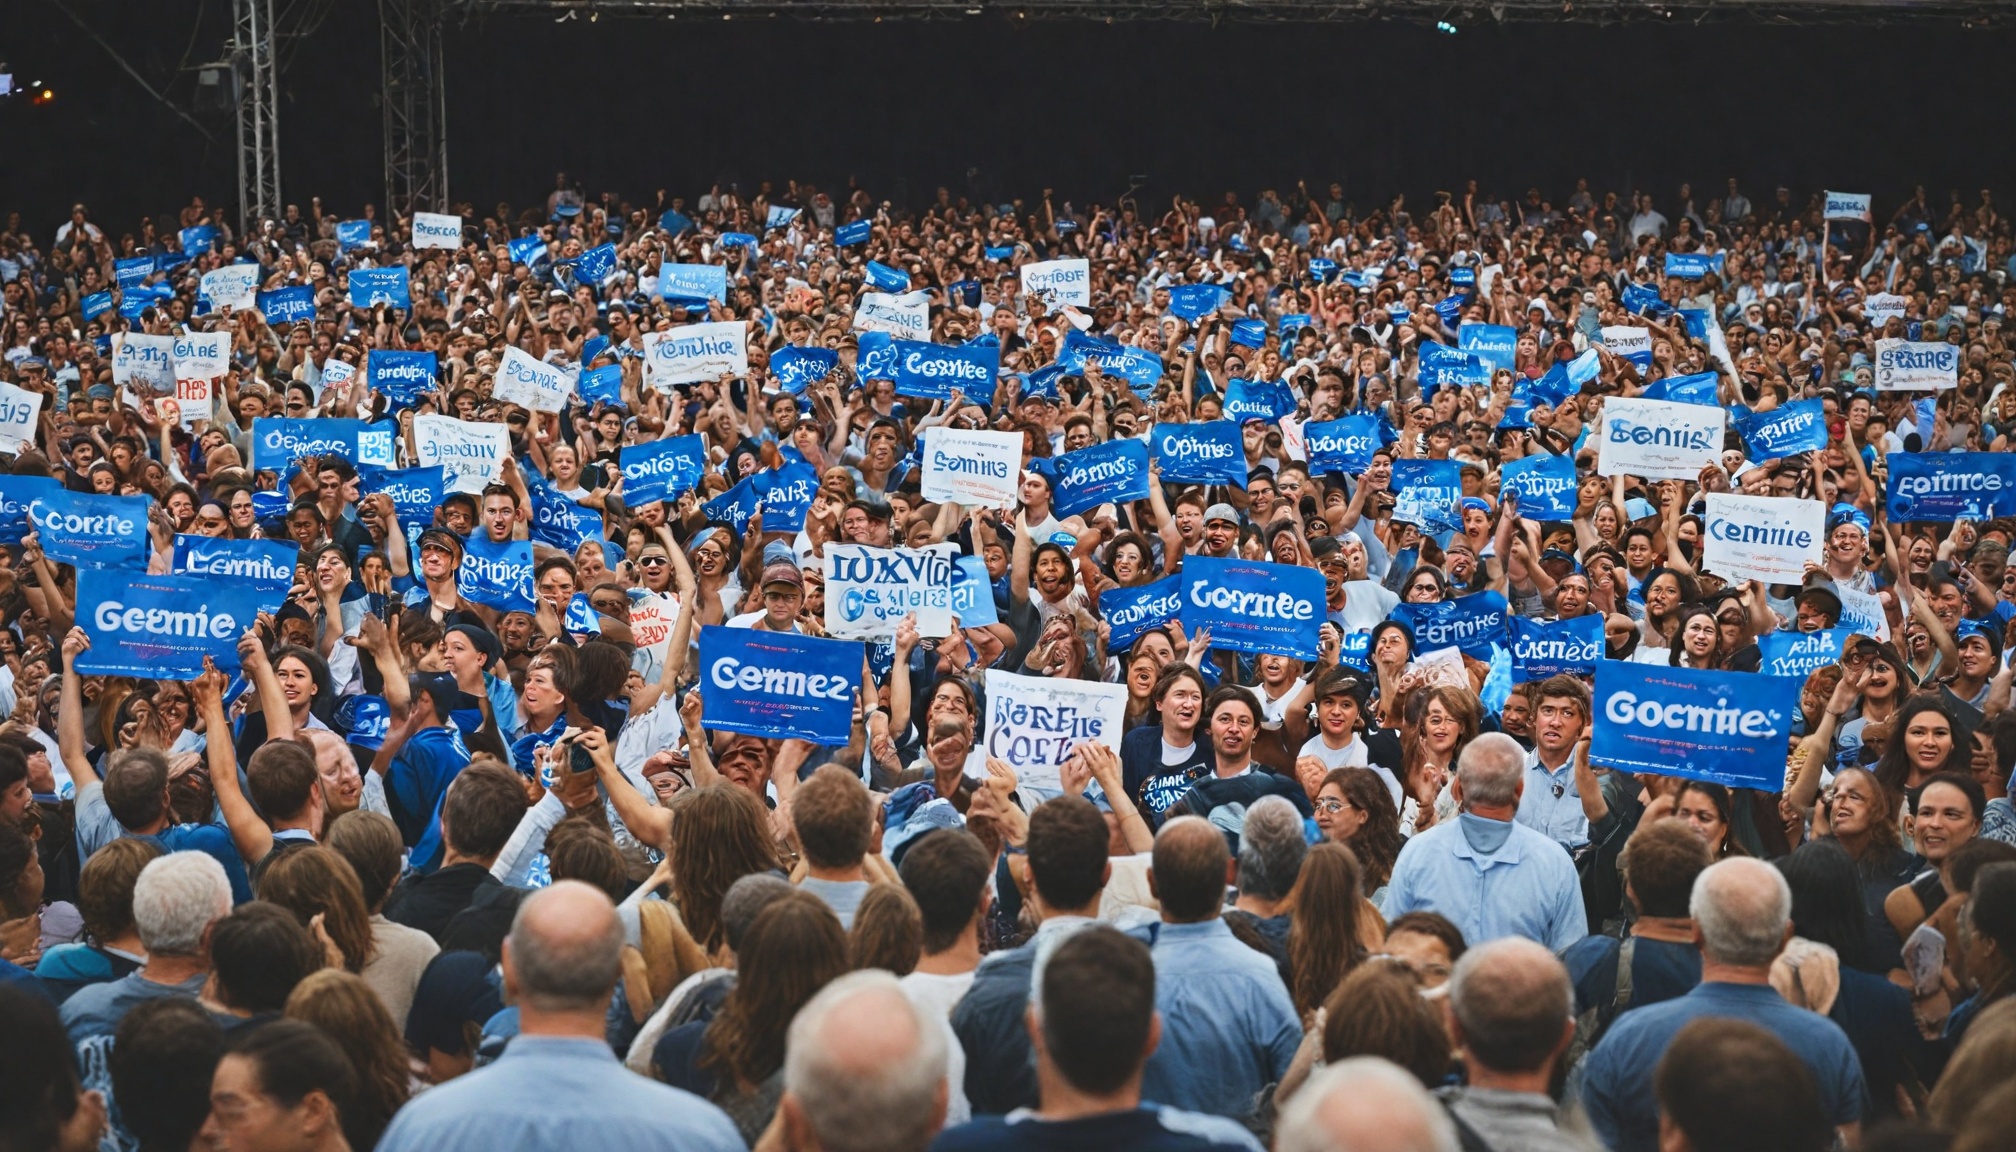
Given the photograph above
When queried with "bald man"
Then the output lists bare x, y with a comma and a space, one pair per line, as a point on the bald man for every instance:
559, 1078
1364, 1104
1512, 1012
1228, 1026
863, 1068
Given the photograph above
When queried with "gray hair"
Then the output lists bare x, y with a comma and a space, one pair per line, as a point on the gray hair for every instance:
565, 948
866, 1067
176, 899
1271, 848
1742, 908
1512, 1000
1491, 770
1364, 1104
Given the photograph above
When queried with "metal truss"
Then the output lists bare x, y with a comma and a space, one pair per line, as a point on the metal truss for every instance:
252, 58
415, 104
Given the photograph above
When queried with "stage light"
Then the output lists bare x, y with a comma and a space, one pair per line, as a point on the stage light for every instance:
1445, 27
41, 94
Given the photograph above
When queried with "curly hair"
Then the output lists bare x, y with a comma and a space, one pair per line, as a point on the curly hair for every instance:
1377, 842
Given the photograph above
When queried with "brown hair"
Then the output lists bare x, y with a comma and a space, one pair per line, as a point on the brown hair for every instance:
342, 1005
1378, 1011
370, 842
1323, 943
794, 949
105, 887
720, 834
315, 881
834, 817
580, 848
1461, 704
1377, 842
888, 931
1661, 861
482, 808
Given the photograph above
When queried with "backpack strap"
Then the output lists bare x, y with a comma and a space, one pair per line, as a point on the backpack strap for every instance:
1622, 999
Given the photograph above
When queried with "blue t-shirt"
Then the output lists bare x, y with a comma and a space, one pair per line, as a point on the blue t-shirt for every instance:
1148, 1128
213, 840
1660, 971
418, 779
1617, 1081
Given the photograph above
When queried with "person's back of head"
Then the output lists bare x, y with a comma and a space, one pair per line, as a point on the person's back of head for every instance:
1489, 771
1271, 848
351, 1013
282, 779
482, 809
745, 900
1094, 1010
1513, 1005
864, 1070
1067, 847
291, 1068
136, 786
888, 931
313, 881
565, 949
1364, 1104
163, 1055
946, 872
1991, 913
1982, 1063
834, 817
370, 842
1731, 1086
43, 1105
580, 848
1827, 903
794, 948
175, 901
1661, 861
1189, 870
1379, 1011
259, 953
1742, 911
105, 886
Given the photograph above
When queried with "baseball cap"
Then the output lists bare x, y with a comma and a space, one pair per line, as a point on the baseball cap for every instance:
448, 696
1220, 512
483, 641
783, 574
441, 538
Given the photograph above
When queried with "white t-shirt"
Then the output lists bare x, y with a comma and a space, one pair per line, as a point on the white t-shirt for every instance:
1365, 605
1352, 755
934, 997
1173, 755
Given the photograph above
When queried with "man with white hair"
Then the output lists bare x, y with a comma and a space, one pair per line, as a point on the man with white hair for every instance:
1511, 1011
864, 1070
1742, 911
1489, 874
1364, 1104
558, 1079
176, 901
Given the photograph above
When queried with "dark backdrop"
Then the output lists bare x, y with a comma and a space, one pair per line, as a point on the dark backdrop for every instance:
634, 105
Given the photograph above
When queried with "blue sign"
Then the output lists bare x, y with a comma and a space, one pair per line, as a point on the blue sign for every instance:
1569, 647
1193, 302
400, 376
352, 235
416, 492
1792, 653
497, 575
1546, 485
1132, 612
16, 493
675, 223
887, 279
661, 469
735, 507
1786, 430
1473, 623
131, 270
779, 685
696, 282
1115, 472
370, 287
198, 239
1644, 301
1341, 446
1294, 322
1687, 265
1442, 365
1254, 606
161, 627
528, 250
96, 305
796, 369
1141, 368
935, 371
737, 240
558, 521
1267, 400
287, 305
1495, 344
1949, 485
140, 297
595, 265
265, 564
1727, 727
1002, 253
1210, 452
603, 385
875, 356
1250, 333
1425, 493
1700, 388
1356, 651
787, 496
277, 443
92, 531
973, 594
854, 232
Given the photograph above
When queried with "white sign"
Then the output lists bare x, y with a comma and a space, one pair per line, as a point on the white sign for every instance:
972, 466
146, 364
531, 383
202, 355
1916, 366
232, 286
1627, 340
1881, 306
1863, 612
193, 400
19, 410
1034, 723
436, 230
1658, 439
336, 373
906, 317
1059, 282
651, 620
696, 352
870, 590
1768, 538
473, 453
1848, 206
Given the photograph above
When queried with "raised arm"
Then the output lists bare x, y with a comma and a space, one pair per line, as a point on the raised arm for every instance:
248, 830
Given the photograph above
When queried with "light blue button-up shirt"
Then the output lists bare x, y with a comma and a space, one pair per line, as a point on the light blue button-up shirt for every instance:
1559, 817
558, 1094
1526, 888
1228, 1027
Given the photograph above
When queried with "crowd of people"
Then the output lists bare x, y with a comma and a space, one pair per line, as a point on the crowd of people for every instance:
415, 861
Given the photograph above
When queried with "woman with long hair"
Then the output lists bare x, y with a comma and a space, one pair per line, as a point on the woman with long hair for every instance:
1862, 814
1171, 748
345, 1007
888, 931
1697, 640
1145, 661
315, 884
1947, 815
1925, 740
1354, 807
1665, 592
1325, 936
1707, 809
793, 949
1441, 720
719, 834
